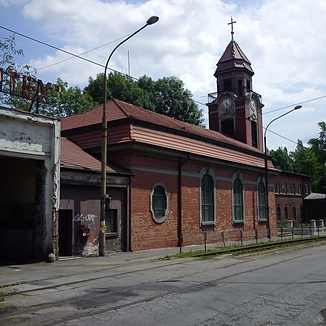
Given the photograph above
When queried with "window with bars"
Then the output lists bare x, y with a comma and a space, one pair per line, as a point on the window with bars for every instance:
111, 221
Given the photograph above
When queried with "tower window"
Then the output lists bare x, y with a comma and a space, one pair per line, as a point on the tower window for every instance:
254, 134
227, 126
240, 89
248, 85
228, 85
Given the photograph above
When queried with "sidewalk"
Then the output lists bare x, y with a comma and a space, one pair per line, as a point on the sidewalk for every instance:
16, 278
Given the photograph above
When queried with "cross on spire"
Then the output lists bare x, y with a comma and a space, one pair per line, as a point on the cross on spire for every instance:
232, 22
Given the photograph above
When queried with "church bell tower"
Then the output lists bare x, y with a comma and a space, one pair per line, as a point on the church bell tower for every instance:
235, 109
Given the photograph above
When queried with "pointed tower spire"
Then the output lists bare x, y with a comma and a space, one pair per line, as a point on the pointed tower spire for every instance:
232, 32
236, 110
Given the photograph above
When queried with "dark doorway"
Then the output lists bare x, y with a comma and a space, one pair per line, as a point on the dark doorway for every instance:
18, 215
65, 232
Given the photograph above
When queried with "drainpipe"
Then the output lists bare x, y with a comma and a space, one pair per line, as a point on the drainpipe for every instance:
180, 235
128, 244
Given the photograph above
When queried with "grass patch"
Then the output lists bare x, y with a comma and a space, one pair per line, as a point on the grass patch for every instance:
195, 253
284, 224
238, 249
14, 291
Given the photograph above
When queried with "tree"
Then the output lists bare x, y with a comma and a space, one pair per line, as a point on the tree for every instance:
165, 96
304, 160
281, 159
309, 160
69, 101
8, 57
318, 147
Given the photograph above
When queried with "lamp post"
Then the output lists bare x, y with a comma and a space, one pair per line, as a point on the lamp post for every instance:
266, 169
152, 20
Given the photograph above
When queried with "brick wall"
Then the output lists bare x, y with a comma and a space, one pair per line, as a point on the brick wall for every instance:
147, 234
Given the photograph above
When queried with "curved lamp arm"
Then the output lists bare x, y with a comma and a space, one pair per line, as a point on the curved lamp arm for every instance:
152, 20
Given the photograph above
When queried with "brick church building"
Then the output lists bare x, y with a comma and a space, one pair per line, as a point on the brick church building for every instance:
170, 183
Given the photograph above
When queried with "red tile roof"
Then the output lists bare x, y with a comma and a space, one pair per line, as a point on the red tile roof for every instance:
72, 156
116, 110
190, 138
196, 147
233, 57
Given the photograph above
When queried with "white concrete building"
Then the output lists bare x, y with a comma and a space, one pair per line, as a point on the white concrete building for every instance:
29, 185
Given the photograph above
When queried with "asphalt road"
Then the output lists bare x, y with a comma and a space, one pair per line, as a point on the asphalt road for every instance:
276, 288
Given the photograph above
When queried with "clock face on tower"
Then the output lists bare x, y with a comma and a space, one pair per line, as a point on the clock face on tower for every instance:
226, 106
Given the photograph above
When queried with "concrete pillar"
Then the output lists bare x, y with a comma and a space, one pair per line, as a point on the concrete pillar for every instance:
290, 225
313, 226
321, 225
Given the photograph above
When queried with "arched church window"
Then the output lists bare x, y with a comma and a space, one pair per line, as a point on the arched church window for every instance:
237, 200
261, 201
207, 197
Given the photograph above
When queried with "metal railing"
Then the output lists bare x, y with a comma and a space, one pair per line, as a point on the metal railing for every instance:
239, 91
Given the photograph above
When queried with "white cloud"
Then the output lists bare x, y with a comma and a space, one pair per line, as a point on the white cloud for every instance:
283, 41
7, 3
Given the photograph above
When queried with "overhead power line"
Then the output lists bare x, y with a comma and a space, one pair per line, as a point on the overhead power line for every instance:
293, 105
61, 50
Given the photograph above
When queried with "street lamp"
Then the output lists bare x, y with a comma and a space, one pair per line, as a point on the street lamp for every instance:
152, 20
266, 169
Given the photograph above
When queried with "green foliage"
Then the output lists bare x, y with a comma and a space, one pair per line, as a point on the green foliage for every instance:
69, 101
318, 148
309, 160
166, 96
282, 223
8, 57
304, 159
281, 159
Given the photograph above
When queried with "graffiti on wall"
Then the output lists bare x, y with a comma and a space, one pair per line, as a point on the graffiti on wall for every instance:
85, 218
87, 246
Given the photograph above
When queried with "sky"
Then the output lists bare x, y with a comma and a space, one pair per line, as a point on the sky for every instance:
284, 41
